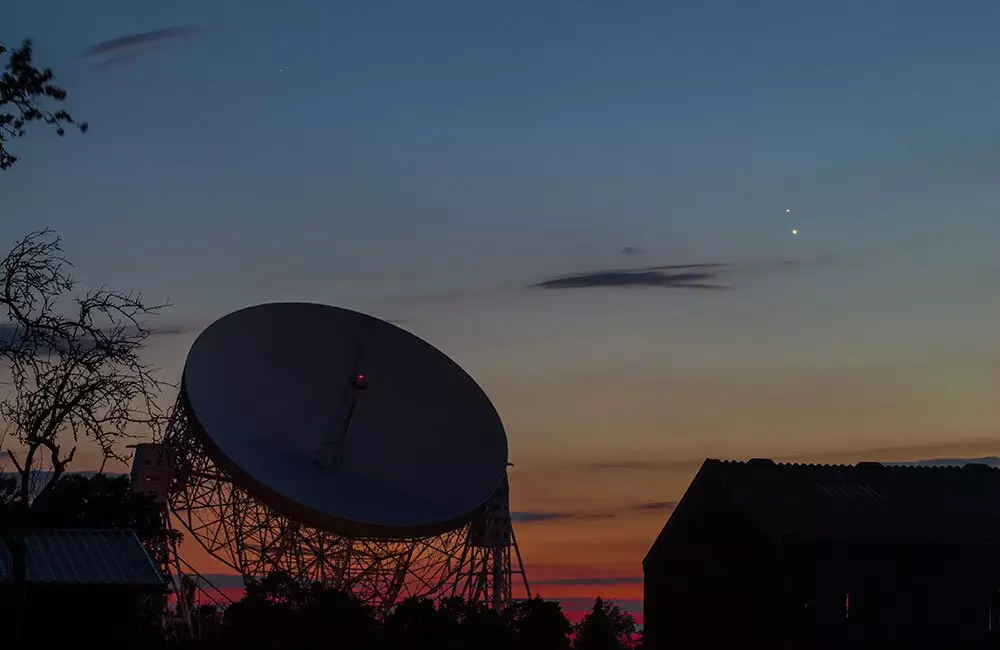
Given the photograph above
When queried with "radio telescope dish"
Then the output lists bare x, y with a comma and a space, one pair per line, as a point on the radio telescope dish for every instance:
343, 421
334, 447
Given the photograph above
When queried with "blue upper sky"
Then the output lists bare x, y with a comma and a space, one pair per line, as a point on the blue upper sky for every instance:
401, 144
425, 161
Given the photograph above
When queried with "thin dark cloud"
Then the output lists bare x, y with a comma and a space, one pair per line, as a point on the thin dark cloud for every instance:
578, 604
528, 517
680, 276
45, 474
170, 330
9, 332
657, 505
589, 516
536, 517
591, 580
136, 41
117, 60
934, 452
40, 478
706, 275
223, 580
639, 465
625, 465
992, 461
694, 463
630, 251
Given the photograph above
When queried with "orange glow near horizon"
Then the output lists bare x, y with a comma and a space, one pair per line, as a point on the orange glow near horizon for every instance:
576, 551
604, 443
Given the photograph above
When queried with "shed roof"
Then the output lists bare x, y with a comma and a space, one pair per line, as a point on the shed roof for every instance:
85, 557
866, 501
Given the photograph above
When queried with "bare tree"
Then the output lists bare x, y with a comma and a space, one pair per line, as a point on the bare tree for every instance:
75, 373
24, 91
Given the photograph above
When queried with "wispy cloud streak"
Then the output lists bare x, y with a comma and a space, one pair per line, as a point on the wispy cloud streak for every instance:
992, 461
529, 517
590, 580
132, 41
535, 517
681, 276
704, 275
9, 332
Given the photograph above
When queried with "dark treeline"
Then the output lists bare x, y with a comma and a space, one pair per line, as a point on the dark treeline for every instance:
279, 612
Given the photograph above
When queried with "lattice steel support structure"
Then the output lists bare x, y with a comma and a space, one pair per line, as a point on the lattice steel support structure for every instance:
491, 557
253, 539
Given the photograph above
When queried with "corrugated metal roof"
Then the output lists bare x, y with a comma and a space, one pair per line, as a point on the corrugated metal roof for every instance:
92, 557
865, 501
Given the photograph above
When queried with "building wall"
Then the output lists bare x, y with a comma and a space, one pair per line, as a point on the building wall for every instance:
715, 578
712, 578
86, 616
895, 595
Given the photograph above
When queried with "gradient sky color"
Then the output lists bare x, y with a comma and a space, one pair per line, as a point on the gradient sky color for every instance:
428, 161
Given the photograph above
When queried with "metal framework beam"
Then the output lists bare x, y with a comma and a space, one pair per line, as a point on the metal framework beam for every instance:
474, 561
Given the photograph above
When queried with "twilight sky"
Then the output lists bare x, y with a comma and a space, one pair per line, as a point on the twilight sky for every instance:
429, 161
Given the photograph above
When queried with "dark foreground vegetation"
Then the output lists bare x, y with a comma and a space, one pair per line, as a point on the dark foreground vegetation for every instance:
276, 612
279, 614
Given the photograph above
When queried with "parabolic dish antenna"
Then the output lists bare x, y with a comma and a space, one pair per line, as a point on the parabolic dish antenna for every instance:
343, 421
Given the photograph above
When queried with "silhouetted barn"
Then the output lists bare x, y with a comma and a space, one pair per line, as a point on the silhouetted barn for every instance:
766, 555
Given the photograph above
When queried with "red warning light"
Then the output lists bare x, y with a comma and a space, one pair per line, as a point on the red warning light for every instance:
360, 382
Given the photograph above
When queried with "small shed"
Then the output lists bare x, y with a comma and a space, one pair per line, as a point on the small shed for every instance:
760, 554
86, 586
113, 558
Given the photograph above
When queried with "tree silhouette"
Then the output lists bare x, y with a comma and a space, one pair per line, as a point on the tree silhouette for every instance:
280, 588
605, 627
332, 616
416, 619
116, 617
538, 623
8, 493
480, 623
75, 373
24, 92
419, 622
102, 501
265, 614
279, 612
255, 622
208, 619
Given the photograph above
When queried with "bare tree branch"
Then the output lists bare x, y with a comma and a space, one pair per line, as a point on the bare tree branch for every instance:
75, 365
52, 356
